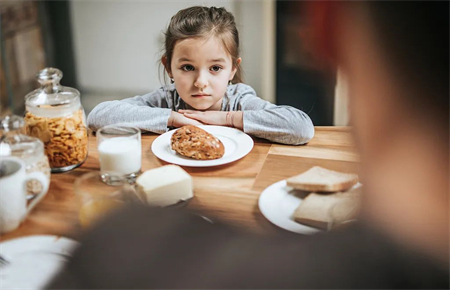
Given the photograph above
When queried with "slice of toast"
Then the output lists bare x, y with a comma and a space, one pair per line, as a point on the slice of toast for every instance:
319, 179
321, 211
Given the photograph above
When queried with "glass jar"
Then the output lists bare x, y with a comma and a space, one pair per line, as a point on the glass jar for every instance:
54, 115
29, 149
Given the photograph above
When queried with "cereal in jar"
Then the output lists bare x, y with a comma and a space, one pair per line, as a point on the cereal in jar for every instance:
55, 116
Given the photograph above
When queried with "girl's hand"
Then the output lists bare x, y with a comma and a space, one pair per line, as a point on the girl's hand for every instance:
178, 120
208, 117
231, 119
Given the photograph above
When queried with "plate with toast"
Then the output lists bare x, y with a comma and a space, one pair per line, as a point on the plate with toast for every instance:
202, 146
316, 200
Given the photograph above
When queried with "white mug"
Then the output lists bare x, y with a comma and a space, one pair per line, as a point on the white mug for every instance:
13, 193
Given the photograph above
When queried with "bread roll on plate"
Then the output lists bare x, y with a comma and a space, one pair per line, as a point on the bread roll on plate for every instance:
194, 142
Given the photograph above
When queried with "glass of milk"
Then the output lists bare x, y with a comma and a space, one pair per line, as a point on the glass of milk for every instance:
120, 153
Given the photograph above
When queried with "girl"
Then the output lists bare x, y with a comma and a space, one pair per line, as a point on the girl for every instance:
202, 60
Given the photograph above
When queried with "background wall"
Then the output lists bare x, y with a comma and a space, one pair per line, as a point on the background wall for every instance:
110, 49
117, 45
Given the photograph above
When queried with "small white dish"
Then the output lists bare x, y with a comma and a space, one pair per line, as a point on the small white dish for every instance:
33, 260
237, 144
278, 204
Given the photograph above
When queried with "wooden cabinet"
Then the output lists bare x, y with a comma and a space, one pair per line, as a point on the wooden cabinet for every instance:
22, 52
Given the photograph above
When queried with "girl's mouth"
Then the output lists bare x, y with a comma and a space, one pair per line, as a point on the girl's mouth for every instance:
200, 95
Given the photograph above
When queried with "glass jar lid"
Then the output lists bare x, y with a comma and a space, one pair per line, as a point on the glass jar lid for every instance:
14, 143
12, 123
52, 99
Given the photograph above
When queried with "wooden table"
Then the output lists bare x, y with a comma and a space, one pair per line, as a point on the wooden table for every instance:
229, 192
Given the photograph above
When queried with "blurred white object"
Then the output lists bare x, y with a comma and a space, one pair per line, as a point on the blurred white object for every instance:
34, 260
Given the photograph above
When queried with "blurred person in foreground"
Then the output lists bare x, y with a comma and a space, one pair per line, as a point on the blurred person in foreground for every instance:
395, 56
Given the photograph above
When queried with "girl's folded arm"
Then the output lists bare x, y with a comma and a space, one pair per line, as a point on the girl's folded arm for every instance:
149, 112
281, 124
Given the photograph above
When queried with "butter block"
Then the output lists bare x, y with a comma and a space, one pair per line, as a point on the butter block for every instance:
164, 186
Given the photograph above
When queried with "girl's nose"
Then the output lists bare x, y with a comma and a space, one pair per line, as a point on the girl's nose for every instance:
201, 81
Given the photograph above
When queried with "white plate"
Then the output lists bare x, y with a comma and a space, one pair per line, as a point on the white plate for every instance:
237, 144
278, 204
33, 260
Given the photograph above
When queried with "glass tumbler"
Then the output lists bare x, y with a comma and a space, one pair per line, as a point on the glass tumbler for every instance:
97, 199
119, 149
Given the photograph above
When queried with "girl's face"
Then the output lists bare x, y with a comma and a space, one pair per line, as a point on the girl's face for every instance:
201, 69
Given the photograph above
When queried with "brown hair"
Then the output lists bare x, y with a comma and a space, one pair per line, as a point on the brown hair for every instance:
200, 21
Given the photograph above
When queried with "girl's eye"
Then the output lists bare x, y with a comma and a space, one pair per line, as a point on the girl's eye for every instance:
187, 67
216, 68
